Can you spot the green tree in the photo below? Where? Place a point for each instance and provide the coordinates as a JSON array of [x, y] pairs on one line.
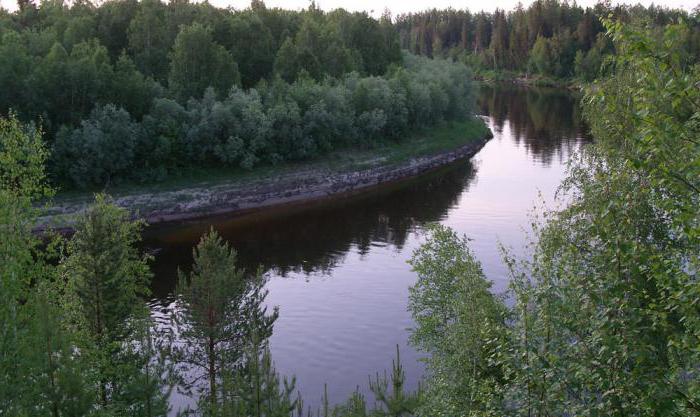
[[395, 402], [251, 44], [197, 62], [541, 57], [107, 279], [101, 150], [461, 325], [149, 41], [15, 64], [22, 182], [222, 312], [23, 157]]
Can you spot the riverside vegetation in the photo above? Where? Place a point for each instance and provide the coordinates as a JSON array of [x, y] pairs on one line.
[[142, 91], [549, 42], [603, 318]]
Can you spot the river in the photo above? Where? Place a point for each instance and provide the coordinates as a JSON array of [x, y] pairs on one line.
[[337, 269]]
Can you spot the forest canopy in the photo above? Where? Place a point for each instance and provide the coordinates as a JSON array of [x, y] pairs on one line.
[[548, 38], [134, 91], [138, 91]]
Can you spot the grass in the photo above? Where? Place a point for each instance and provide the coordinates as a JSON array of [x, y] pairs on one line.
[[426, 142]]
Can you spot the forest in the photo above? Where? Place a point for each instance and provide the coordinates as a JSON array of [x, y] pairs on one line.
[[136, 91], [139, 92], [548, 39], [602, 317]]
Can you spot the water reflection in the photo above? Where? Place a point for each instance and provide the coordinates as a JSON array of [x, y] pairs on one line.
[[338, 267], [546, 120], [314, 238]]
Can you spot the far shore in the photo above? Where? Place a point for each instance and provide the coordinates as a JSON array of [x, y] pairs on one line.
[[419, 154]]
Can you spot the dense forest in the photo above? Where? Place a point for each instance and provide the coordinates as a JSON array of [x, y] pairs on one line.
[[134, 91], [129, 91], [548, 38]]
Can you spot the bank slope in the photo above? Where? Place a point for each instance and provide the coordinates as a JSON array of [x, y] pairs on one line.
[[209, 193]]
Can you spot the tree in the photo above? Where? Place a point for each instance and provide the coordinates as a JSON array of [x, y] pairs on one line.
[[22, 183], [541, 57], [15, 64], [222, 313], [397, 402], [23, 157], [461, 325], [287, 62], [101, 150], [251, 45], [131, 90], [149, 41], [197, 62], [106, 280]]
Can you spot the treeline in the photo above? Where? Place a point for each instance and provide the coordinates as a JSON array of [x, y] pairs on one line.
[[602, 316], [272, 123], [550, 38], [131, 83], [135, 91]]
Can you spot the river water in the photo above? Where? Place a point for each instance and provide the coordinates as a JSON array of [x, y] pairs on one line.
[[338, 268]]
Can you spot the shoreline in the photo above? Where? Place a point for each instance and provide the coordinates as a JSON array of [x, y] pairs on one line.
[[197, 202], [530, 81]]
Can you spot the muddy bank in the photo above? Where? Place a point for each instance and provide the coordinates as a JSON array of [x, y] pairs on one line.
[[227, 198]]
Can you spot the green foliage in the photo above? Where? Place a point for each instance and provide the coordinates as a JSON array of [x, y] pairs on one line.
[[395, 402], [148, 39], [391, 398], [251, 44], [197, 62], [106, 278], [604, 318], [222, 318], [22, 266], [461, 325], [272, 123], [22, 159], [542, 38], [255, 389], [104, 147]]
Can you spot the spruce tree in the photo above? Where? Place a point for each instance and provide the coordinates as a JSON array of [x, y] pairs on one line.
[[107, 279]]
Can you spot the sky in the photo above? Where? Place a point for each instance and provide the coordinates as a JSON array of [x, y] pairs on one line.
[[375, 7]]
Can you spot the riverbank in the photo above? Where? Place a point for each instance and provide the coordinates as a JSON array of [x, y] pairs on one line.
[[207, 194], [529, 80]]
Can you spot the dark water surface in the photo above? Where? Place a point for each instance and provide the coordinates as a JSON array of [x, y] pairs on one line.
[[338, 268]]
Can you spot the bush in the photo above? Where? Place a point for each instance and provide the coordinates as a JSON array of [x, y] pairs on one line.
[[102, 150]]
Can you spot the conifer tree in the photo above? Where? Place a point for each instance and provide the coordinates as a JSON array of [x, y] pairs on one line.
[[107, 278], [395, 402], [222, 311]]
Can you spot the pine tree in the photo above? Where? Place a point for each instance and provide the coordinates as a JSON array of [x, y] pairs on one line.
[[397, 402], [221, 311]]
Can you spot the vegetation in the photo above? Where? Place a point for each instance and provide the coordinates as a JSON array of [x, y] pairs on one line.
[[548, 40], [603, 318], [139, 91], [78, 338], [224, 326], [604, 315]]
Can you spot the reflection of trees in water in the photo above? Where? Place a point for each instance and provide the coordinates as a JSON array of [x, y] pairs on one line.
[[316, 237], [547, 121]]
